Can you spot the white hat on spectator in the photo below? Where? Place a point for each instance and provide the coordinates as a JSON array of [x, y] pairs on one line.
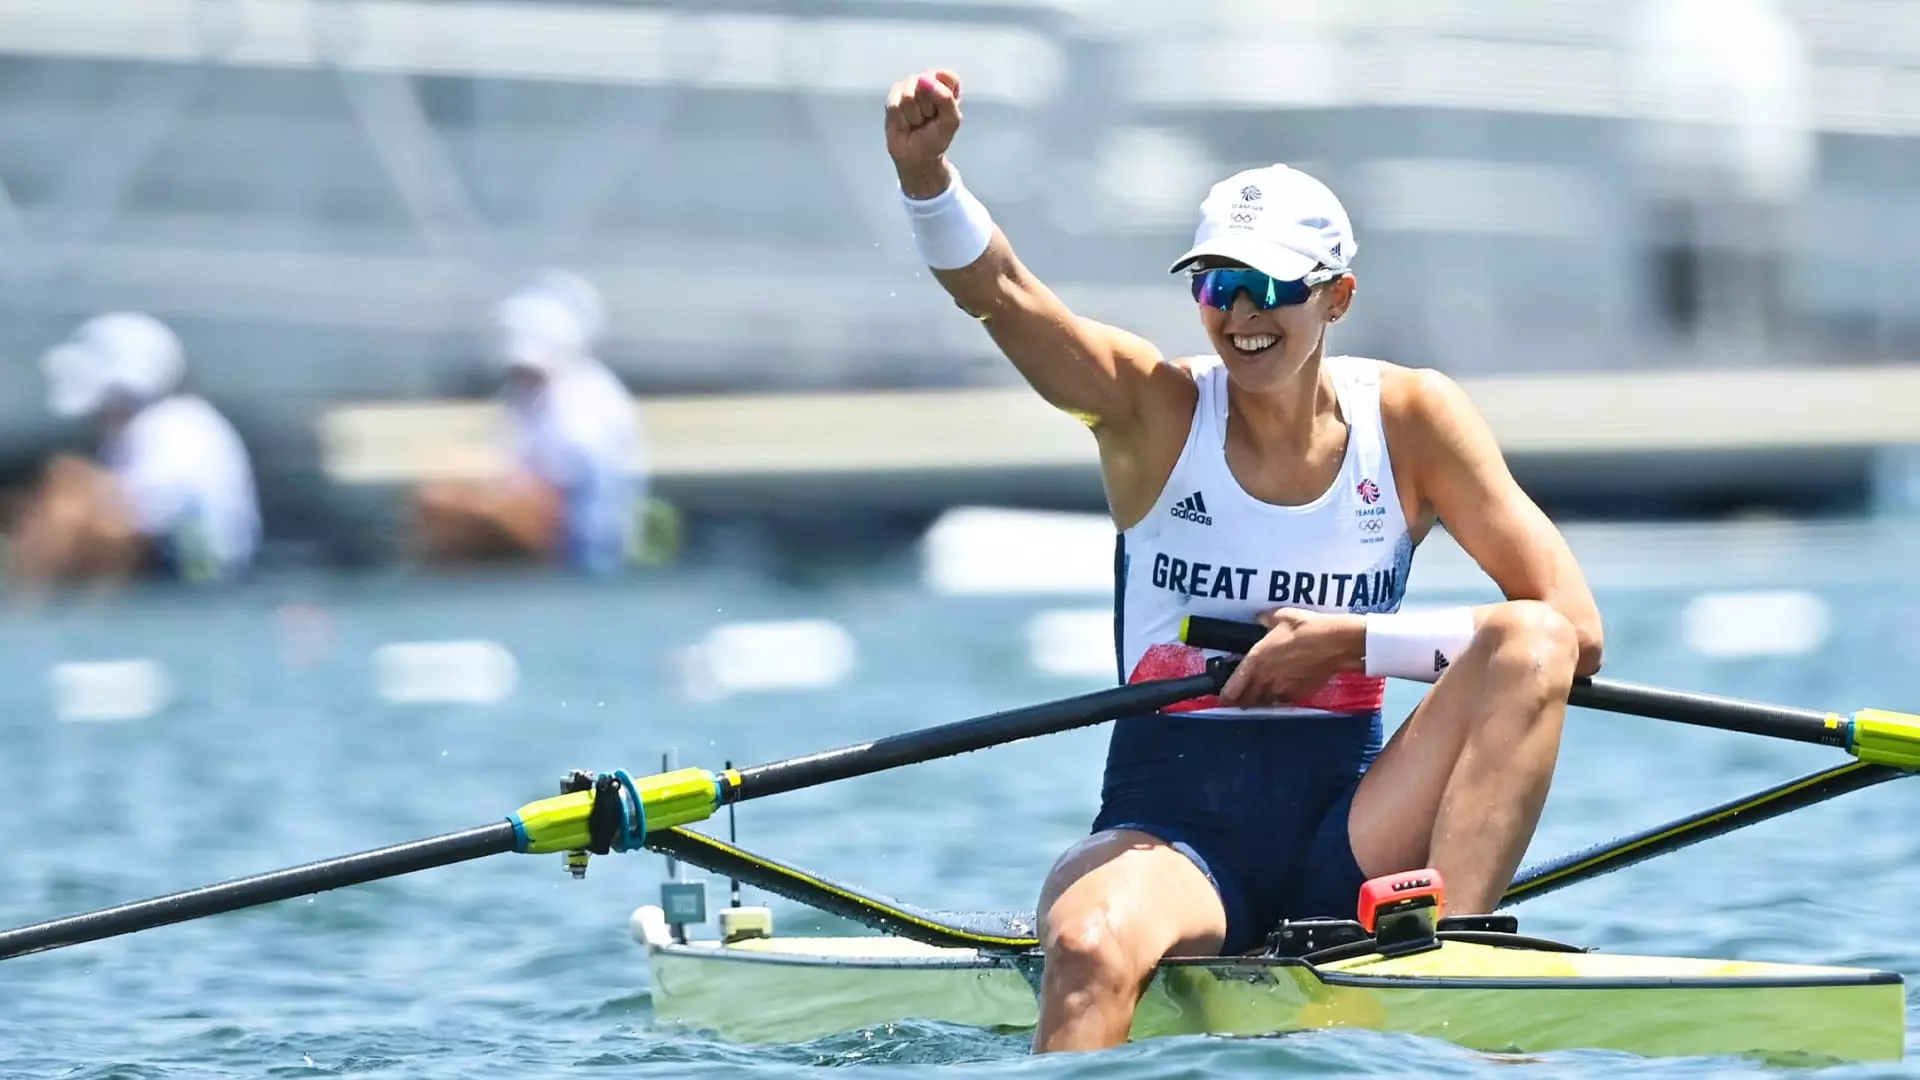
[[122, 352]]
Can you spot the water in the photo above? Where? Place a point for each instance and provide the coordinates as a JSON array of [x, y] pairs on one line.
[[276, 749]]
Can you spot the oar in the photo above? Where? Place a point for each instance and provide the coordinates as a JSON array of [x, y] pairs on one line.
[[1605, 858], [616, 812], [1876, 736]]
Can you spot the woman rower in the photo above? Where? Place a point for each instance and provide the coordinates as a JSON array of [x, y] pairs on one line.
[[1271, 482]]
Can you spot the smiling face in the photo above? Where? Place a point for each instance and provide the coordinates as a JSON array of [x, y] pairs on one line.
[[1264, 349]]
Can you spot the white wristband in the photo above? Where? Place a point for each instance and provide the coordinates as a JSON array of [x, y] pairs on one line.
[[953, 228], [1417, 646]]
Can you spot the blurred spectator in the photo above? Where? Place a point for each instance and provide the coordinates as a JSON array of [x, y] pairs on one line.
[[573, 485], [172, 495]]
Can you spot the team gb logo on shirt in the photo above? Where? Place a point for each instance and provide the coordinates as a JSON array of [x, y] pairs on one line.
[[1369, 491]]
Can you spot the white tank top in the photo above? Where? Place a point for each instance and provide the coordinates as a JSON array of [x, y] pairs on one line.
[[1209, 548]]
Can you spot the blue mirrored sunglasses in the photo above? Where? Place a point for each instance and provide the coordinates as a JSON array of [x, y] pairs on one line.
[[1217, 287]]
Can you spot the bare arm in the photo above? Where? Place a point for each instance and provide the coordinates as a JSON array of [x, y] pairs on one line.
[[1094, 371], [1459, 472], [1097, 372]]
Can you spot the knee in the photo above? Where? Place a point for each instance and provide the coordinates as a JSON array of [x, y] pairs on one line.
[[1531, 643], [1086, 950]]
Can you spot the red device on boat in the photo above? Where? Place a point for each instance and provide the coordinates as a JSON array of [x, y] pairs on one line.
[[1401, 911]]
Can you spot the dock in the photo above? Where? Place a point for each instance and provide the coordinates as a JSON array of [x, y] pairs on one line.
[[1676, 441]]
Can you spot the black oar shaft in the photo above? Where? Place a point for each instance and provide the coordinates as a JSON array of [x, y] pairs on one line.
[[260, 889], [1708, 710], [967, 735], [1679, 706]]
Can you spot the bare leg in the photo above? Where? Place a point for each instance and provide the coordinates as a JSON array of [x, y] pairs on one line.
[[454, 523], [1114, 905], [1461, 785], [75, 529]]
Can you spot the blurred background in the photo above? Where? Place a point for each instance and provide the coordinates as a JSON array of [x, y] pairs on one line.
[[1669, 246], [323, 197]]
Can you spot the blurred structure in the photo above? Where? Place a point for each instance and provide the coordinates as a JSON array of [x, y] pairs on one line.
[[1724, 153], [172, 495], [572, 479], [318, 191]]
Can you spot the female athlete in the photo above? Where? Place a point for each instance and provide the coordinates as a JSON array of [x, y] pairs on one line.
[[1272, 482]]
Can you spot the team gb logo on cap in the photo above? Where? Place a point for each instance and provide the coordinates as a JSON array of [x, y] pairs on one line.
[[1244, 210]]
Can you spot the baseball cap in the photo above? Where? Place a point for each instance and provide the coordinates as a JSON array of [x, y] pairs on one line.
[[124, 351], [580, 296], [539, 332], [1276, 219]]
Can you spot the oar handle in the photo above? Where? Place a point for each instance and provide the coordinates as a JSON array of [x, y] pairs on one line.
[[1221, 635], [1886, 738]]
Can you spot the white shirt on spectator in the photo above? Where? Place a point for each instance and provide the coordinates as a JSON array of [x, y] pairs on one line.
[[580, 435], [188, 481]]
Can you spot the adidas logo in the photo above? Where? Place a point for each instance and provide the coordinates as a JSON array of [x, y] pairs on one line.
[[1193, 508], [1439, 661]]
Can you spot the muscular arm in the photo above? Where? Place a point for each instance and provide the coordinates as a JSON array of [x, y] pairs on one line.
[[1460, 474], [1111, 380], [1096, 372]]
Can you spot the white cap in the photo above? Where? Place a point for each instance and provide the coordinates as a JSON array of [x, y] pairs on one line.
[[1276, 219], [125, 352], [579, 295], [539, 332]]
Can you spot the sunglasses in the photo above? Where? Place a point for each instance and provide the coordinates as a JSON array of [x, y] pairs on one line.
[[1217, 287]]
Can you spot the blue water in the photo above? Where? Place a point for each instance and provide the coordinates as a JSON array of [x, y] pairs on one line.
[[277, 749]]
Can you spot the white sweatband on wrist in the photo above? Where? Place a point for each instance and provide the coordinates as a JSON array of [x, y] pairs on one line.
[[953, 228], [1417, 646]]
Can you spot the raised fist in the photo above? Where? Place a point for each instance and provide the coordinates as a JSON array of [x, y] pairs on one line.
[[923, 113]]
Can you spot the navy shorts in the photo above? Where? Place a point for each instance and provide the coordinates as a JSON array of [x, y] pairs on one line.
[[1260, 806]]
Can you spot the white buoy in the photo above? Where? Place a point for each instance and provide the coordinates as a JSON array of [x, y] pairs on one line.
[[762, 657], [981, 551], [444, 672], [1734, 625], [110, 690]]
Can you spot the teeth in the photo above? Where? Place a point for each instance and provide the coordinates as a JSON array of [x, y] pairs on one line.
[[1254, 343]]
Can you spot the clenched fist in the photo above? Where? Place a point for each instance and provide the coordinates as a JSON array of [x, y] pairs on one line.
[[923, 113]]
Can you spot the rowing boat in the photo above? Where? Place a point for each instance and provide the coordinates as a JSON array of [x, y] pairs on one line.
[[1479, 983], [1484, 996]]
